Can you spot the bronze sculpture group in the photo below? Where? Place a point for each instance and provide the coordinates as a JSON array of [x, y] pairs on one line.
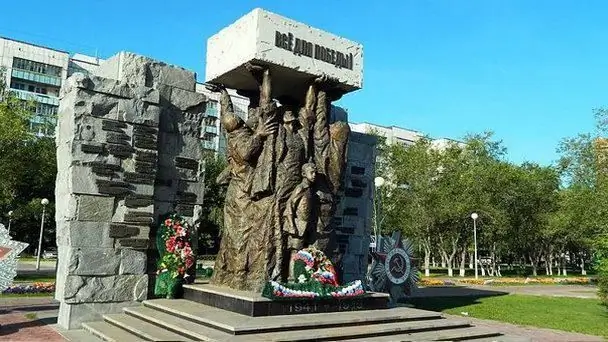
[[285, 166]]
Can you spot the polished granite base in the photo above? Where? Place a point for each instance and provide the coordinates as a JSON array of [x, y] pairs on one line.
[[253, 304]]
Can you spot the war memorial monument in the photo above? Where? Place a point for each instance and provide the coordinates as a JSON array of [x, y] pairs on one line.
[[293, 257]]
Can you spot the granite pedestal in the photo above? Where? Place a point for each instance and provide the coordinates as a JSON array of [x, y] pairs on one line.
[[254, 305]]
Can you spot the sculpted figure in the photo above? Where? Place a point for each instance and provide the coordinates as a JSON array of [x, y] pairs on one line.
[[263, 176], [291, 155], [330, 143], [274, 206], [240, 258], [300, 220]]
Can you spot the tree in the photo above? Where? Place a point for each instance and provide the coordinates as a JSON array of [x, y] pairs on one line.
[[212, 218], [28, 169], [407, 200]]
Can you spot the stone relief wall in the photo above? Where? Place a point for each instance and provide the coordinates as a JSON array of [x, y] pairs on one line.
[[128, 152], [353, 219]]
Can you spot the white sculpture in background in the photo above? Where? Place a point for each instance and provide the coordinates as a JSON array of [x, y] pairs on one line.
[[9, 251]]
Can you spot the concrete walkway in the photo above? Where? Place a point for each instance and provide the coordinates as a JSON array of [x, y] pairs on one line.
[[15, 326], [28, 319]]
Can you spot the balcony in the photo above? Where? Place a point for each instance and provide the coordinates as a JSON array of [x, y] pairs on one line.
[[211, 129], [35, 77], [212, 112], [209, 145], [40, 98]]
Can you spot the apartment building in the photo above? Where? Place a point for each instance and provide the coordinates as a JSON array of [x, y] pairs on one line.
[[35, 73], [399, 135]]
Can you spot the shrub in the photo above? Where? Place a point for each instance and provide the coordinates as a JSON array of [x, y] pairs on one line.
[[601, 262], [602, 280]]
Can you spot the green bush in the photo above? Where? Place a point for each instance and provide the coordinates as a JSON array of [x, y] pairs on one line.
[[601, 263], [602, 281]]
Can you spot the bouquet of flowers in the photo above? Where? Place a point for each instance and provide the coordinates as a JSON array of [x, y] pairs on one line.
[[176, 255]]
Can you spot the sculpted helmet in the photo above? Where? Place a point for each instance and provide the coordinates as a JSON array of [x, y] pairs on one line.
[[231, 122], [289, 116]]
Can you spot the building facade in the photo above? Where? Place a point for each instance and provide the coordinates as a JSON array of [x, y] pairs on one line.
[[35, 73], [400, 135], [393, 134]]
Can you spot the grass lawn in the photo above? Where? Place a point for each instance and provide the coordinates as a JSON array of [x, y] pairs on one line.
[[33, 278], [13, 295], [584, 316]]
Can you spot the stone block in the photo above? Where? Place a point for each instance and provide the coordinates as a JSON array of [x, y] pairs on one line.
[[109, 86], [188, 101], [143, 71], [162, 208], [80, 180], [67, 208], [90, 261], [133, 243], [78, 234], [133, 261], [95, 208], [117, 288], [119, 230], [197, 189], [71, 316], [110, 67], [355, 245], [294, 51], [138, 112], [351, 263], [176, 77], [146, 94]]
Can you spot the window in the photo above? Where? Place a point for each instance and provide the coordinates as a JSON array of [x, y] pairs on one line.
[[45, 109], [17, 85], [41, 68], [210, 121]]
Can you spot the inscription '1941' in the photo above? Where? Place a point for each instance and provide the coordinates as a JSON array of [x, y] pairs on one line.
[[302, 47]]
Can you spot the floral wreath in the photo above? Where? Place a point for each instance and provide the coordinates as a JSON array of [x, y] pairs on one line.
[[315, 266], [315, 279], [176, 255]]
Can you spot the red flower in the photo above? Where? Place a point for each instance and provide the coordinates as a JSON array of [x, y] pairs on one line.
[[170, 244], [168, 222]]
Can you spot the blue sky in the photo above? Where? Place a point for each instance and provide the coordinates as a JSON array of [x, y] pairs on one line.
[[531, 71]]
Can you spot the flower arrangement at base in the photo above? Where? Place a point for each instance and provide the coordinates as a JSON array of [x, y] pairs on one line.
[[315, 278], [176, 255]]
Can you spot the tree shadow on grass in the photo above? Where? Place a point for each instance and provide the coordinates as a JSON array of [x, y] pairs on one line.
[[441, 298]]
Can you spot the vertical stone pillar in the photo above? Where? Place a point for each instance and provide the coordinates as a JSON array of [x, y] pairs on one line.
[[353, 217], [127, 153]]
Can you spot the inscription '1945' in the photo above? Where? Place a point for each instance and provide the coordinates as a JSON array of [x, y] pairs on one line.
[[302, 47]]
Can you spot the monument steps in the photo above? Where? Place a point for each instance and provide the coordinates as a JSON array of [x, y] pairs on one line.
[[366, 332], [467, 333], [109, 332], [175, 323], [80, 335], [239, 324], [501, 339], [183, 320], [143, 329]]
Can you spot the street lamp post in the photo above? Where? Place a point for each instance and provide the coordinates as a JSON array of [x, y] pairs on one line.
[[474, 216], [44, 203], [378, 182], [10, 219]]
